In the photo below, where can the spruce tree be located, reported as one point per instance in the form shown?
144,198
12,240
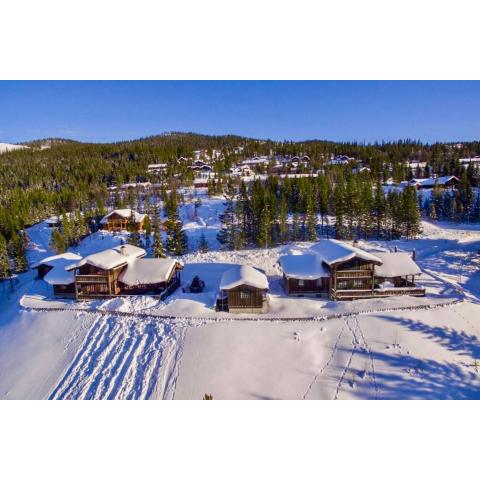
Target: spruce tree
203,244
283,220
4,265
158,248
57,241
265,237
311,221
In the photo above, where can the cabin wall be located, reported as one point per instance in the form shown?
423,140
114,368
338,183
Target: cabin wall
43,270
294,286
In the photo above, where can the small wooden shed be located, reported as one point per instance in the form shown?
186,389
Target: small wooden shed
243,289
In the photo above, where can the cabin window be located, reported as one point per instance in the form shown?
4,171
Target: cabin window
245,294
301,283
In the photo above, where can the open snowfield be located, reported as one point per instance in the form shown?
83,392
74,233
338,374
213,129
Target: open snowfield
143,348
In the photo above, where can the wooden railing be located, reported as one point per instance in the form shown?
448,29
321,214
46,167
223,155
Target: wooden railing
377,292
91,278
353,274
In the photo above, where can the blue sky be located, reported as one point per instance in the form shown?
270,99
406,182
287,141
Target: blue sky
103,111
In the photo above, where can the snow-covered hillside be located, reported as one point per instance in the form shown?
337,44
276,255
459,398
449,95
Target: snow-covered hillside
7,147
139,347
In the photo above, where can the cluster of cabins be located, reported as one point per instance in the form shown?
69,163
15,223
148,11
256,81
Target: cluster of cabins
121,270
329,269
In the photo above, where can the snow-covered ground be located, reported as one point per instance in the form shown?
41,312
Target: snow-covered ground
121,348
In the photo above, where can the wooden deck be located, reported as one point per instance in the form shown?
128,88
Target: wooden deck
377,292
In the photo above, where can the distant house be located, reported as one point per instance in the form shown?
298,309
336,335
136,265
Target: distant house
118,220
446,182
341,160
123,271
341,271
243,289
53,271
157,167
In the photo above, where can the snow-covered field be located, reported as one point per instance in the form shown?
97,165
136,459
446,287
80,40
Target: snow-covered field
375,348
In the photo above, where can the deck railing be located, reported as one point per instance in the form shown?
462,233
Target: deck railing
353,274
377,292
91,278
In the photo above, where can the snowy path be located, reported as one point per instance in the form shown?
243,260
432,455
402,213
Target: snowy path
124,359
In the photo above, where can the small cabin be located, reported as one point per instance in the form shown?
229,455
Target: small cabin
118,220
243,289
53,270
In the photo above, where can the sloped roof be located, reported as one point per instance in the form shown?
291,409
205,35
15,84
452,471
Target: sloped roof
243,275
144,271
396,264
58,275
111,258
54,260
306,267
333,251
125,213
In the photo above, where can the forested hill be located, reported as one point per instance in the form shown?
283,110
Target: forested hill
55,175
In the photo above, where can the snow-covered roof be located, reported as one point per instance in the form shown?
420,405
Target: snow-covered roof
396,264
125,213
148,271
59,276
55,260
111,258
306,267
429,182
243,275
334,251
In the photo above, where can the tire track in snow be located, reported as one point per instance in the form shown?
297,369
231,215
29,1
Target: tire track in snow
124,358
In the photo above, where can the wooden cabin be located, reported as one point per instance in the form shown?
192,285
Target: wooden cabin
304,275
123,271
150,276
53,270
118,220
344,272
243,289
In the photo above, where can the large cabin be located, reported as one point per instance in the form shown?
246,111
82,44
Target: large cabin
243,289
343,272
118,220
123,271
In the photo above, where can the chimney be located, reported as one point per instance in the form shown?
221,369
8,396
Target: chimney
123,250
414,254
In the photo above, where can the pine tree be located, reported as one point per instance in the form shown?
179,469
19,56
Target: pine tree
379,209
433,212
283,220
57,241
265,237
176,237
158,249
227,233
18,253
410,216
203,244
311,221
4,265
147,225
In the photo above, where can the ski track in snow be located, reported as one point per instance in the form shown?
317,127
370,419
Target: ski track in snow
124,359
